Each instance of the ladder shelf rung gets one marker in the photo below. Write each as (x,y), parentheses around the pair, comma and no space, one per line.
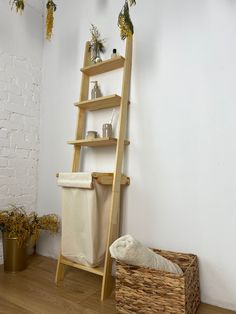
(100,103)
(106,178)
(104,66)
(95,270)
(100,141)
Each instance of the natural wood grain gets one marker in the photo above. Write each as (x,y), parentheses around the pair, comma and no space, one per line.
(60,271)
(107,178)
(115,202)
(79,134)
(100,103)
(33,292)
(104,66)
(210,309)
(7,307)
(100,141)
(95,270)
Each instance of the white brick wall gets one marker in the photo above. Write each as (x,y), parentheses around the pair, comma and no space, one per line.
(19,131)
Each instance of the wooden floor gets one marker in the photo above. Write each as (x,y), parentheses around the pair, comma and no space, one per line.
(34,291)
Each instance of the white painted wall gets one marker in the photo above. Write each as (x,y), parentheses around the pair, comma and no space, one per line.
(22,35)
(21,48)
(182,126)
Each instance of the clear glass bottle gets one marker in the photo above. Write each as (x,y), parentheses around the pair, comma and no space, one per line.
(95,92)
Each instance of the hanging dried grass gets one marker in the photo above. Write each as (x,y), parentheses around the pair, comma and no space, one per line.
(124,21)
(131,2)
(51,8)
(18,4)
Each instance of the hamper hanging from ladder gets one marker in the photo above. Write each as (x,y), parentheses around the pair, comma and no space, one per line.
(85,218)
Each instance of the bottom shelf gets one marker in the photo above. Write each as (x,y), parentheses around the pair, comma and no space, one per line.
(95,270)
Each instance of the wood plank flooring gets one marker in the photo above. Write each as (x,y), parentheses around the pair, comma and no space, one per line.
(34,291)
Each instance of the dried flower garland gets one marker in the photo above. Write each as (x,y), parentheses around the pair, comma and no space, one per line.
(18,4)
(51,8)
(124,21)
(17,223)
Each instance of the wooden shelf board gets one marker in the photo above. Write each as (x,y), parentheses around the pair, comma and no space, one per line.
(107,178)
(104,66)
(100,103)
(95,270)
(100,141)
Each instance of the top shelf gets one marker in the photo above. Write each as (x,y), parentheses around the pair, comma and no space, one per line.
(104,66)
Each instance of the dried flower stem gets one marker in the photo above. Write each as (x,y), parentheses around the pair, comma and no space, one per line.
(19,5)
(124,21)
(17,223)
(51,8)
(96,38)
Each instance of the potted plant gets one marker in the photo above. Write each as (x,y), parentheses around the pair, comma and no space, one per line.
(19,229)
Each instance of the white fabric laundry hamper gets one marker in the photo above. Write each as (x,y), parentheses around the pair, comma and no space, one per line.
(85,218)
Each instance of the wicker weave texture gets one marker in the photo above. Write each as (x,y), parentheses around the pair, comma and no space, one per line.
(148,291)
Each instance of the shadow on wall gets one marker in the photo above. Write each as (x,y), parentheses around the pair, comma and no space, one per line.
(101,4)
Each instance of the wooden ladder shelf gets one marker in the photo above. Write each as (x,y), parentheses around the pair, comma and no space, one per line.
(117,178)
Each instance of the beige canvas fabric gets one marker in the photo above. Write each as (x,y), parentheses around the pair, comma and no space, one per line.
(85,215)
(81,180)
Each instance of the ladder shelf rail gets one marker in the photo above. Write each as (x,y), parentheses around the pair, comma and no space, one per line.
(116,179)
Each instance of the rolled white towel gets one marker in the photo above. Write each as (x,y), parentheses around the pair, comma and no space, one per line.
(130,251)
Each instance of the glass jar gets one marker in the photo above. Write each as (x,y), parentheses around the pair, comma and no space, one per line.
(107,130)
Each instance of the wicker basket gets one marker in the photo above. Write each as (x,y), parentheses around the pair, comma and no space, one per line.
(149,291)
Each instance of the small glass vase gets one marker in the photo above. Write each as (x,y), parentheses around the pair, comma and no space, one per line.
(95,54)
